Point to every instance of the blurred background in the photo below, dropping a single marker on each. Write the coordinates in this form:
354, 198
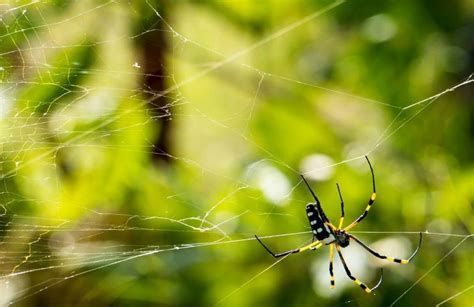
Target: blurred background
144, 143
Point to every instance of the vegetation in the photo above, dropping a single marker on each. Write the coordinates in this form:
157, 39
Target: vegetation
144, 143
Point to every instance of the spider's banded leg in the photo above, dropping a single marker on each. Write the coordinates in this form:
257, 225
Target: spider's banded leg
358, 282
318, 206
397, 260
331, 265
311, 246
341, 220
371, 200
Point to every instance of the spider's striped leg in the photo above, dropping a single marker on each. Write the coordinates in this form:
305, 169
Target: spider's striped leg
371, 200
331, 261
358, 282
397, 260
341, 220
311, 246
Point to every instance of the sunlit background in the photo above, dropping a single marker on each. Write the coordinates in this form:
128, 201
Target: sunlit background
144, 143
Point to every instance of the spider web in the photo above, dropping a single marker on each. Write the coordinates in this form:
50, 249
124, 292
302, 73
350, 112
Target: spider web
76, 113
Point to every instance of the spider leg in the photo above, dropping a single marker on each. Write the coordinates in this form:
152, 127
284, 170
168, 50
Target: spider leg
331, 261
341, 220
311, 246
358, 282
392, 259
371, 200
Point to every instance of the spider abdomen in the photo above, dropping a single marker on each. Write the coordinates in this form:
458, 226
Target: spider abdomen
320, 230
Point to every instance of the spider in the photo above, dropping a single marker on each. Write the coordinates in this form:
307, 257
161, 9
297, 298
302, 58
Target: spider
325, 233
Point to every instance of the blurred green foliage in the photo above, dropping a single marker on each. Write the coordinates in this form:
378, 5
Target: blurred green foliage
97, 212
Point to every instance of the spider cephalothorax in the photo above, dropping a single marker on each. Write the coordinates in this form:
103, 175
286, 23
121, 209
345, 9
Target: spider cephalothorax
342, 237
325, 233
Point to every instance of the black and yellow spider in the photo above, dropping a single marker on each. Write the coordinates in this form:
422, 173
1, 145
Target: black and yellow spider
325, 233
